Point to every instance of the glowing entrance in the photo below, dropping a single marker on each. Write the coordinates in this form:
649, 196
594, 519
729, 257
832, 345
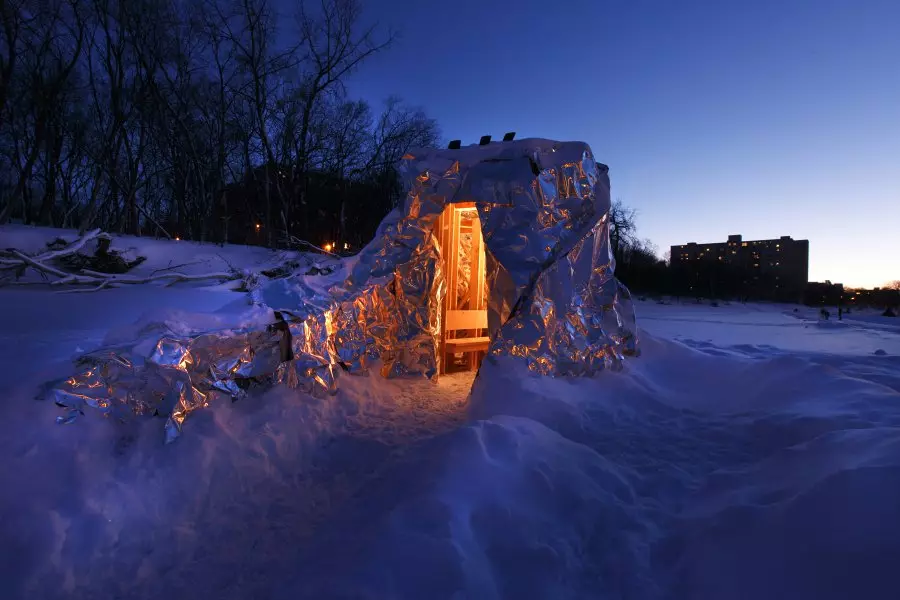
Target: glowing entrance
464, 335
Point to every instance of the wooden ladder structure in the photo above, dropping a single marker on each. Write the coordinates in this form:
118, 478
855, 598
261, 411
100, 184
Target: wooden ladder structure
464, 310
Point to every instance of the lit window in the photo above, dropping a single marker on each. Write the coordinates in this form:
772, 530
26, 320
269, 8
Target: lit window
744, 245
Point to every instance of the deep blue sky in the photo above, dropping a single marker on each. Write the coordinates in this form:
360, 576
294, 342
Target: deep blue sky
763, 118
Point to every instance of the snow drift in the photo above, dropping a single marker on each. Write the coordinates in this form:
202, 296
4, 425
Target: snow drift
755, 457
688, 476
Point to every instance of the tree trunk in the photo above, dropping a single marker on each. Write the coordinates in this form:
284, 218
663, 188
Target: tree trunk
268, 210
54, 150
19, 190
224, 216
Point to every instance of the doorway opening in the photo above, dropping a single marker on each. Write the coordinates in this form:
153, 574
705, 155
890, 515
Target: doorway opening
464, 322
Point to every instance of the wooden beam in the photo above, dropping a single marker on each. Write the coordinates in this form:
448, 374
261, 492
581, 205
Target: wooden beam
466, 319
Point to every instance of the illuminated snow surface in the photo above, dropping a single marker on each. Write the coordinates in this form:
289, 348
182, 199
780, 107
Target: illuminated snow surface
751, 452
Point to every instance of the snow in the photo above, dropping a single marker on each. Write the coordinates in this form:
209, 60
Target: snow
750, 452
190, 258
758, 325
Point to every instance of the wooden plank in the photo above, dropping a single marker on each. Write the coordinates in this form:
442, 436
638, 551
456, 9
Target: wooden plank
466, 319
443, 230
478, 270
462, 205
468, 344
454, 258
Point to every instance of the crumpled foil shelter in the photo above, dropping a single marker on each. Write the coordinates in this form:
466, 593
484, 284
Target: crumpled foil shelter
553, 299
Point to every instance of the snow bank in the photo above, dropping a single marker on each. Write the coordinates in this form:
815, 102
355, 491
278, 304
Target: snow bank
749, 453
190, 258
104, 508
776, 328
686, 477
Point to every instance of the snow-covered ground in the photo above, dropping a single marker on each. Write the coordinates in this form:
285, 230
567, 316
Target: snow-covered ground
750, 452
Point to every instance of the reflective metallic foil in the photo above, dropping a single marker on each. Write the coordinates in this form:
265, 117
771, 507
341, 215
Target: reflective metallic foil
554, 301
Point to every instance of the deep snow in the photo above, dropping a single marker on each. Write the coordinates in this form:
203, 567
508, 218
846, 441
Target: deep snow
750, 452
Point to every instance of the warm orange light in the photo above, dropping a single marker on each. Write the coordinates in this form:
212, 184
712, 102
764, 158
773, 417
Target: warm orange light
177, 238
328, 247
346, 245
257, 226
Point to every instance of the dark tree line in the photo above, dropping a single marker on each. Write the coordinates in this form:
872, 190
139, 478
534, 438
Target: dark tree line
637, 263
188, 118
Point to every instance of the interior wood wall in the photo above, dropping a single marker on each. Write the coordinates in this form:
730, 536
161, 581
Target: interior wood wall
448, 229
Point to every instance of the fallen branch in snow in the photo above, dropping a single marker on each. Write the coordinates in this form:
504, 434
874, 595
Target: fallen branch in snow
170, 267
295, 241
224, 260
38, 265
72, 248
18, 260
225, 276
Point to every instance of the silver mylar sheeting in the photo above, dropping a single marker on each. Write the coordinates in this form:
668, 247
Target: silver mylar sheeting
553, 299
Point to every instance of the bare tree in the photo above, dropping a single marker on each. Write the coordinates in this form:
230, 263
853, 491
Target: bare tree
346, 138
622, 228
893, 285
335, 47
399, 129
115, 90
13, 19
52, 44
187, 116
187, 112
218, 112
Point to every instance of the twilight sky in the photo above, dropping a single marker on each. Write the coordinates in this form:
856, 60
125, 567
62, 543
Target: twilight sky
764, 118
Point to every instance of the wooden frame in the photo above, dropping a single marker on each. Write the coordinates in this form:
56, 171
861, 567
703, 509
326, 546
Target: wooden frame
463, 319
